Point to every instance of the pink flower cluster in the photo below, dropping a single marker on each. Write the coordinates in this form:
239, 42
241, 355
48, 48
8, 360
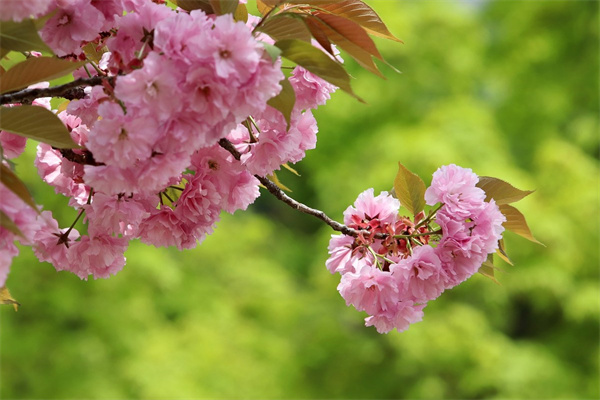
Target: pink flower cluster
149, 165
395, 266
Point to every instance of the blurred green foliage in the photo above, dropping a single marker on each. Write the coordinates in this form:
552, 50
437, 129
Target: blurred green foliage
509, 89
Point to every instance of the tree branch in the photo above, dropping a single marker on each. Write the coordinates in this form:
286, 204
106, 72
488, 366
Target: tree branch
71, 90
296, 205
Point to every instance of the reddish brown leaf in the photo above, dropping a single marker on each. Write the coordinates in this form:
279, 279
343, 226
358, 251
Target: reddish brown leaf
318, 34
359, 54
350, 31
363, 15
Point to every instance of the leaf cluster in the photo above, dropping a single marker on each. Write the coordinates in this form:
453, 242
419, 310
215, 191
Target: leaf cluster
409, 188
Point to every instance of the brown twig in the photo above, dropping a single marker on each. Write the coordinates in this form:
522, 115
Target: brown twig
296, 205
71, 90
83, 158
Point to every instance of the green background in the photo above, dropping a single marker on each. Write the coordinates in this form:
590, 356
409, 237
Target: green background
509, 89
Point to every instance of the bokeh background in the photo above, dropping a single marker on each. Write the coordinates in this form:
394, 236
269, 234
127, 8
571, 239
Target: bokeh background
507, 88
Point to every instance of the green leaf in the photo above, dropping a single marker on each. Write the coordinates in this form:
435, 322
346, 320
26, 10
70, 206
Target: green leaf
222, 7
515, 222
9, 224
15, 185
502, 192
272, 51
21, 36
410, 190
190, 5
3, 53
36, 123
34, 70
317, 62
363, 15
487, 269
284, 101
285, 26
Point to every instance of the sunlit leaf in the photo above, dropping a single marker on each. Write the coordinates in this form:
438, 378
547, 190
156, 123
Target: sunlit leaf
15, 185
501, 251
410, 190
6, 298
34, 70
21, 36
241, 13
487, 268
93, 53
222, 7
317, 62
289, 168
62, 106
190, 5
9, 224
319, 3
502, 192
36, 123
264, 6
273, 177
363, 15
515, 222
284, 101
286, 26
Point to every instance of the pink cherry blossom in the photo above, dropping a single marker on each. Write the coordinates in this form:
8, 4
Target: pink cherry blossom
419, 276
87, 108
455, 187
367, 206
119, 139
311, 91
153, 89
100, 256
133, 29
369, 289
116, 215
50, 242
12, 145
65, 176
340, 250
184, 37
75, 21
234, 51
236, 186
17, 10
164, 229
406, 313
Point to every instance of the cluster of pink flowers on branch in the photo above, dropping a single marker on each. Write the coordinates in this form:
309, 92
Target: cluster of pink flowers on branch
392, 271
178, 114
148, 164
